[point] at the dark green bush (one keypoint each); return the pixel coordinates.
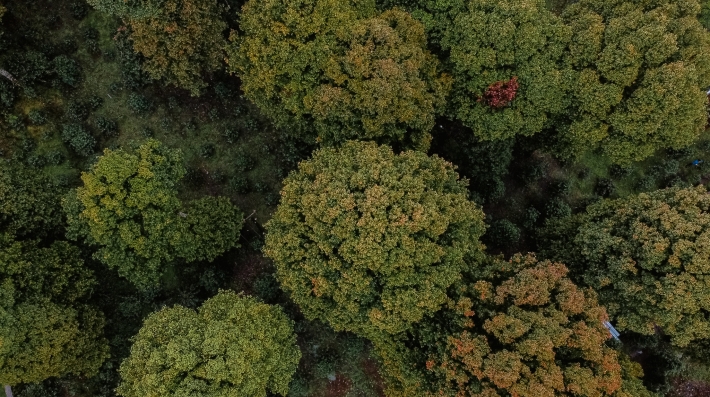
(94, 102)
(557, 208)
(230, 134)
(266, 287)
(207, 150)
(37, 117)
(68, 70)
(617, 172)
(35, 160)
(55, 157)
(77, 111)
(90, 33)
(604, 187)
(272, 199)
(146, 132)
(239, 184)
(534, 172)
(106, 126)
(261, 187)
(243, 162)
(646, 183)
(503, 233)
(561, 188)
(78, 138)
(530, 217)
(79, 10)
(138, 103)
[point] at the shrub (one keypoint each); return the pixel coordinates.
(239, 184)
(561, 188)
(37, 117)
(230, 134)
(604, 187)
(68, 70)
(78, 10)
(503, 233)
(207, 150)
(90, 33)
(646, 183)
(77, 111)
(138, 103)
(243, 162)
(78, 138)
(617, 171)
(106, 127)
(94, 102)
(557, 208)
(55, 157)
(530, 217)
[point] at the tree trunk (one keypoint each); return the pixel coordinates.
(8, 391)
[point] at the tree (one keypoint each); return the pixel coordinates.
(506, 60)
(639, 73)
(338, 71)
(369, 241)
(46, 327)
(181, 40)
(521, 329)
(29, 203)
(233, 345)
(129, 207)
(646, 255)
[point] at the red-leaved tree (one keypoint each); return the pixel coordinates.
(500, 93)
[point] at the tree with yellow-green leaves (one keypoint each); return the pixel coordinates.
(181, 40)
(128, 207)
(647, 256)
(337, 70)
(231, 346)
(519, 328)
(492, 43)
(640, 69)
(369, 241)
(47, 329)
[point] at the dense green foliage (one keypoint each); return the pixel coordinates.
(495, 41)
(46, 327)
(647, 257)
(232, 346)
(339, 70)
(542, 108)
(128, 206)
(640, 69)
(29, 203)
(369, 241)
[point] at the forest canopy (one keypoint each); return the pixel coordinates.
(499, 198)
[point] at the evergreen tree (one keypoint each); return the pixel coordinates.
(46, 327)
(369, 241)
(232, 346)
(128, 206)
(337, 70)
(640, 69)
(647, 257)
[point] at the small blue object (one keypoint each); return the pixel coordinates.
(697, 162)
(611, 329)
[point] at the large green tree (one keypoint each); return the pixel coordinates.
(518, 42)
(640, 68)
(522, 328)
(368, 241)
(181, 40)
(648, 257)
(232, 346)
(338, 70)
(46, 327)
(128, 207)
